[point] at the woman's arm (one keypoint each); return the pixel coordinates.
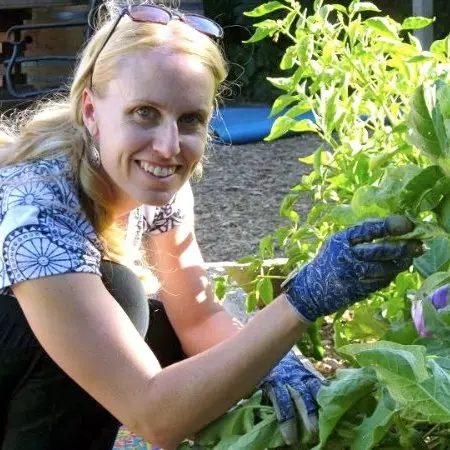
(87, 333)
(199, 321)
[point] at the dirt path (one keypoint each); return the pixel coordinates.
(238, 198)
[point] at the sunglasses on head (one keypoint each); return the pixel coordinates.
(162, 15)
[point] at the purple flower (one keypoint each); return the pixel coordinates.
(439, 299)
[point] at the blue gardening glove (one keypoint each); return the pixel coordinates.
(438, 298)
(292, 386)
(350, 266)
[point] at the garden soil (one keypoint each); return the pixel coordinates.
(238, 198)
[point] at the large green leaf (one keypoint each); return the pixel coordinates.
(366, 323)
(256, 439)
(427, 131)
(443, 96)
(349, 386)
(373, 428)
(436, 258)
(238, 421)
(386, 198)
(249, 425)
(402, 369)
(424, 191)
(432, 403)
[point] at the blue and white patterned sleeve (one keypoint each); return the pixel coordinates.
(43, 230)
(164, 218)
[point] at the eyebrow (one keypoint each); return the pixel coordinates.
(205, 111)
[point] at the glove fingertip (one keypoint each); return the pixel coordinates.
(289, 431)
(397, 225)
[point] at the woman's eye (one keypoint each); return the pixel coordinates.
(145, 112)
(192, 119)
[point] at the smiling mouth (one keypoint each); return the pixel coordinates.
(157, 171)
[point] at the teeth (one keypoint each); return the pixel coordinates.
(161, 172)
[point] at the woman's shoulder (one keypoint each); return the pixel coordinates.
(43, 229)
(44, 181)
(51, 166)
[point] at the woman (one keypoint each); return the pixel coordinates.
(119, 153)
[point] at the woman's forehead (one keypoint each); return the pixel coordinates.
(166, 73)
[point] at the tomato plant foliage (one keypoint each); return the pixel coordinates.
(381, 105)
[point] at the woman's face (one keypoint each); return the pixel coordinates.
(150, 126)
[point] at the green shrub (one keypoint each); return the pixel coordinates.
(382, 108)
(251, 64)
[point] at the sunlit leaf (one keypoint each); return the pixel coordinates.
(416, 23)
(264, 9)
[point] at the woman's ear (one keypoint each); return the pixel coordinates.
(88, 112)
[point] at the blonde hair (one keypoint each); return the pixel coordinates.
(55, 128)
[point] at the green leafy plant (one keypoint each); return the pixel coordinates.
(383, 122)
(381, 105)
(251, 425)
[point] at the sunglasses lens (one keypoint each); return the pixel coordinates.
(148, 13)
(204, 25)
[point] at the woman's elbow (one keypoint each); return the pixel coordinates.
(163, 436)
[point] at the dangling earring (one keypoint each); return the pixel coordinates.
(94, 157)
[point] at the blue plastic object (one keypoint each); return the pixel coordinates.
(244, 124)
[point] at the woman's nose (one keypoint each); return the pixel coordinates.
(166, 139)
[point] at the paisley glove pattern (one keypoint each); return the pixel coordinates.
(351, 266)
(292, 387)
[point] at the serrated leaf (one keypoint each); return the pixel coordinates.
(416, 23)
(349, 386)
